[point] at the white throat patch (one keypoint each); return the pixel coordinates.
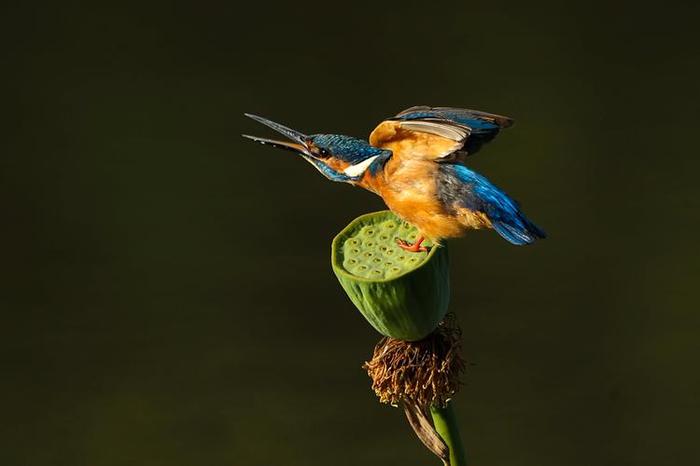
(359, 168)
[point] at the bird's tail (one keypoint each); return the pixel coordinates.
(516, 228)
(503, 212)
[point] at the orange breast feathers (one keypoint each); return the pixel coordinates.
(409, 181)
(409, 189)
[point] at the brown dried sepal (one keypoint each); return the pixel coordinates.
(424, 372)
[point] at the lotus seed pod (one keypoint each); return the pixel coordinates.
(403, 295)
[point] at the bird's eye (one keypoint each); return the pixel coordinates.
(323, 152)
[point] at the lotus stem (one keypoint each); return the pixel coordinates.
(405, 296)
(445, 423)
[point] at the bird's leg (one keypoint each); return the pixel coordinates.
(415, 247)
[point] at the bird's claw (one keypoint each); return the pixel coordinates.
(411, 247)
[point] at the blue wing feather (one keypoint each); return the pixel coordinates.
(464, 187)
(474, 124)
(483, 126)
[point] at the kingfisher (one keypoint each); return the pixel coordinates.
(416, 162)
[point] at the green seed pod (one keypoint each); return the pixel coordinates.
(403, 295)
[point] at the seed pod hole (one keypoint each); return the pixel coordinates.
(371, 266)
(373, 245)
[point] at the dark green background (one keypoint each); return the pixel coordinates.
(167, 297)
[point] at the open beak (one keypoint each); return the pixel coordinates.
(298, 139)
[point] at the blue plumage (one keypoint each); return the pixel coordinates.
(329, 173)
(467, 119)
(483, 127)
(346, 148)
(415, 162)
(378, 164)
(462, 187)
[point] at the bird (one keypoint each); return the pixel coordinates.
(416, 162)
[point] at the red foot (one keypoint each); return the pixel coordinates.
(415, 247)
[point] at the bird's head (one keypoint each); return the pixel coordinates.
(338, 157)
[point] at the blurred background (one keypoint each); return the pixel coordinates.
(167, 297)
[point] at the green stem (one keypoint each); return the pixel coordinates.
(445, 423)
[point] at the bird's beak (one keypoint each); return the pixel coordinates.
(298, 145)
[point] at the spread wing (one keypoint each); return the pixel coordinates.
(437, 133)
